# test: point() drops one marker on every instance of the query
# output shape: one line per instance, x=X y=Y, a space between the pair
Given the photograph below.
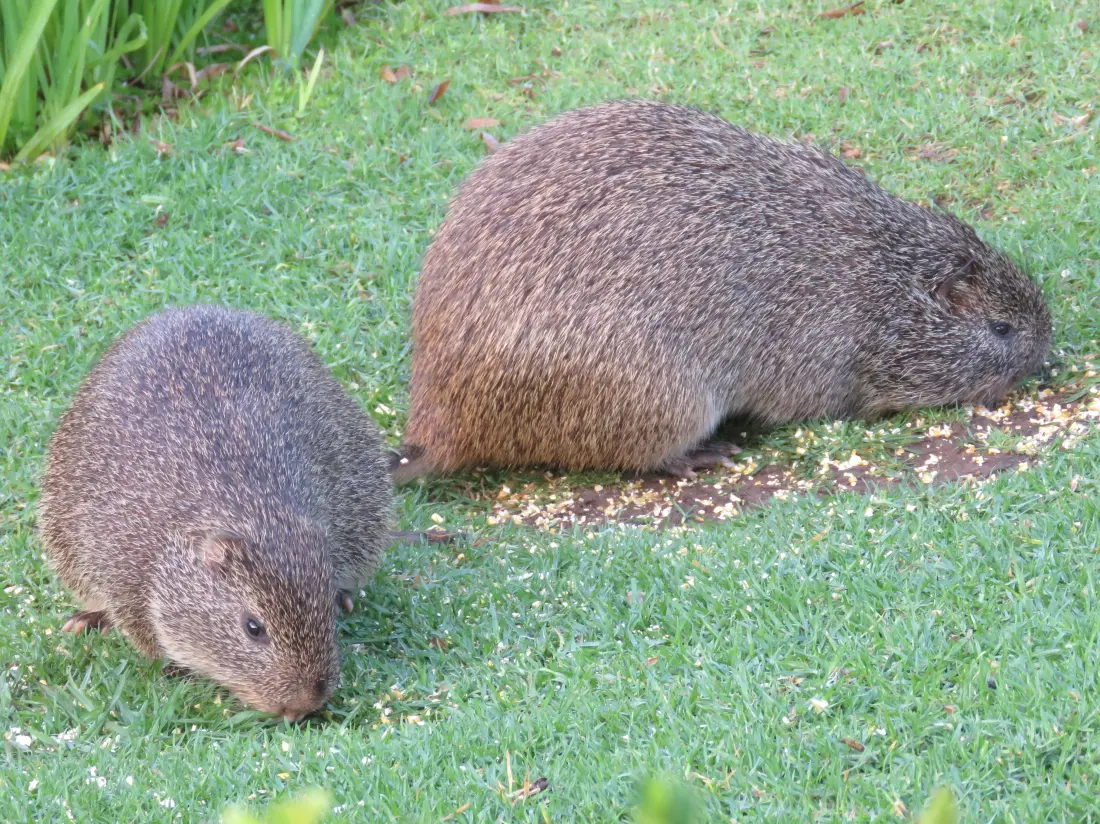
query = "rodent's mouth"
x=993 y=396
x=292 y=711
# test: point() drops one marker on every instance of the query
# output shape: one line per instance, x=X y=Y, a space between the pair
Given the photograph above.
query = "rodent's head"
x=254 y=617
x=977 y=327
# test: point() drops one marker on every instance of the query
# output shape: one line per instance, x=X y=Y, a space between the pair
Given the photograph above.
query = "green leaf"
x=58 y=124
x=21 y=59
x=236 y=815
x=305 y=25
x=309 y=808
x=305 y=91
x=942 y=809
x=196 y=28
x=666 y=802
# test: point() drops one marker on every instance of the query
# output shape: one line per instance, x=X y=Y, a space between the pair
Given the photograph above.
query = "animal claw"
x=87 y=620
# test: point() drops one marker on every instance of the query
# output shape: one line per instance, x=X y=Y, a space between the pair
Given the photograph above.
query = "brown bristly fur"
x=211 y=471
x=610 y=286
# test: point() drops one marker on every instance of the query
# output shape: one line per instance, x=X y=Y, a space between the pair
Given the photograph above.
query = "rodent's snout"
x=312 y=697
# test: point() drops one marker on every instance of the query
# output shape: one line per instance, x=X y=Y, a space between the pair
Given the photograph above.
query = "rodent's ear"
x=218 y=547
x=957 y=292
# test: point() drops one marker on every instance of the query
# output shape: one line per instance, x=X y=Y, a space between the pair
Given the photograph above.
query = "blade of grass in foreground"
x=200 y=24
x=58 y=124
x=21 y=60
x=291 y=24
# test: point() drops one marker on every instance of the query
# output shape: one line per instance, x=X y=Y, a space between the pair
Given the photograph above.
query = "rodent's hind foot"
x=708 y=455
x=344 y=600
x=723 y=449
x=87 y=620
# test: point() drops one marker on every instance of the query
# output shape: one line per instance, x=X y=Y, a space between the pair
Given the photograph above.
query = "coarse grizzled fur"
x=610 y=286
x=209 y=473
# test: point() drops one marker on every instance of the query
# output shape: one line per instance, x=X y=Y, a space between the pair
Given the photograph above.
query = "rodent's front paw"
x=87 y=620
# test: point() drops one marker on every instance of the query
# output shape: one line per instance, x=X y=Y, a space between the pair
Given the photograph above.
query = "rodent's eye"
x=1002 y=329
x=254 y=628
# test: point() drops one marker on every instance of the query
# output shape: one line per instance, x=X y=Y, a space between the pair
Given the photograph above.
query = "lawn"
x=817 y=659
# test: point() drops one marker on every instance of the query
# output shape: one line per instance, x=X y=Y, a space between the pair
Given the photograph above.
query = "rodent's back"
x=169 y=414
x=628 y=188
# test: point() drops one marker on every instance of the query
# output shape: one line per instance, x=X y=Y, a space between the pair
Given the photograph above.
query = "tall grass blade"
x=291 y=24
x=305 y=26
x=14 y=72
x=58 y=124
x=196 y=28
x=305 y=91
x=274 y=24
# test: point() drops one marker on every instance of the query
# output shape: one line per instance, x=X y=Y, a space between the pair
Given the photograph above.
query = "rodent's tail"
x=407 y=463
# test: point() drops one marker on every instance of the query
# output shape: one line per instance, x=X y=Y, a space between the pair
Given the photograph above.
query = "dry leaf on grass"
x=491 y=143
x=279 y=133
x=847 y=150
x=933 y=152
x=256 y=52
x=529 y=790
x=855 y=10
x=162 y=219
x=161 y=147
x=221 y=48
x=394 y=75
x=4 y=167
x=1080 y=120
x=438 y=91
x=457 y=812
x=852 y=744
x=481 y=123
x=843 y=94
x=484 y=8
x=168 y=90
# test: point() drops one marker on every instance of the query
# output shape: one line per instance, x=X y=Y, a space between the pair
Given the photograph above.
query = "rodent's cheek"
x=257 y=702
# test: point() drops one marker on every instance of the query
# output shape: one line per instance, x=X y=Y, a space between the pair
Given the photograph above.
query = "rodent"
x=608 y=287
x=214 y=493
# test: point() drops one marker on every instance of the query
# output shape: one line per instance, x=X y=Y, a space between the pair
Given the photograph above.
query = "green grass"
x=984 y=601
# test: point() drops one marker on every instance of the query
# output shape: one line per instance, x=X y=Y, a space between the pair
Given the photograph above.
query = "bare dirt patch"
x=988 y=442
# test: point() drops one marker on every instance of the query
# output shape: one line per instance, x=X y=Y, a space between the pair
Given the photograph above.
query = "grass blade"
x=21 y=59
x=193 y=32
x=305 y=26
x=274 y=23
x=58 y=124
x=304 y=93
